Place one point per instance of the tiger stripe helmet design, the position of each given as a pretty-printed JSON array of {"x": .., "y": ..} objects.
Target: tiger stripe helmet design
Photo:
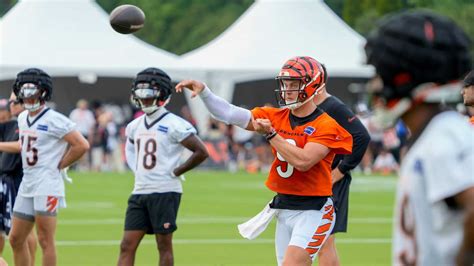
[{"x": 310, "y": 73}]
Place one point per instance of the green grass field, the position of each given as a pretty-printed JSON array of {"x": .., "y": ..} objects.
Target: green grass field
[{"x": 213, "y": 203}]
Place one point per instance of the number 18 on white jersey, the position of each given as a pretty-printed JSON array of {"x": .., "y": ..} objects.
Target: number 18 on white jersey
[{"x": 157, "y": 152}]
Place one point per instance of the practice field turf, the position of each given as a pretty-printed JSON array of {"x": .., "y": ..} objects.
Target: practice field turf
[{"x": 213, "y": 203}]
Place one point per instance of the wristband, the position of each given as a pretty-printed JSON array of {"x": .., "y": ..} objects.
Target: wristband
[{"x": 270, "y": 135}]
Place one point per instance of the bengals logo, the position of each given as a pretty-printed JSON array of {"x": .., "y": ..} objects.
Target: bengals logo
[
  {"x": 52, "y": 204},
  {"x": 284, "y": 74}
]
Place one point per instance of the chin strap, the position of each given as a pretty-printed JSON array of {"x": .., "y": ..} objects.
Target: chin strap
[
  {"x": 150, "y": 109},
  {"x": 296, "y": 105},
  {"x": 424, "y": 93},
  {"x": 434, "y": 93},
  {"x": 387, "y": 117},
  {"x": 153, "y": 107},
  {"x": 32, "y": 107}
]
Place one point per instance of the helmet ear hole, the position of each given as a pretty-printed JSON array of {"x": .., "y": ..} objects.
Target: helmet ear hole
[{"x": 303, "y": 96}]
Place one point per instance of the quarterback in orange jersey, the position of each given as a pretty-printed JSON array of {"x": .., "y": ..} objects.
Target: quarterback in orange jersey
[
  {"x": 468, "y": 94},
  {"x": 296, "y": 178},
  {"x": 304, "y": 140}
]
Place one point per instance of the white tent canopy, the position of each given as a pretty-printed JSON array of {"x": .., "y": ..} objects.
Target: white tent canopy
[
  {"x": 72, "y": 38},
  {"x": 272, "y": 31},
  {"x": 269, "y": 33}
]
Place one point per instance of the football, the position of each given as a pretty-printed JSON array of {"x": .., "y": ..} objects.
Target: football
[{"x": 127, "y": 19}]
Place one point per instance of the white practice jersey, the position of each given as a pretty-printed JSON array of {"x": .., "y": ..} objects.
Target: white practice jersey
[
  {"x": 157, "y": 151},
  {"x": 42, "y": 148},
  {"x": 439, "y": 165}
]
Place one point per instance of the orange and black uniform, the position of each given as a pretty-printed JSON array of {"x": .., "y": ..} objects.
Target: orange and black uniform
[
  {"x": 304, "y": 190},
  {"x": 345, "y": 163}
]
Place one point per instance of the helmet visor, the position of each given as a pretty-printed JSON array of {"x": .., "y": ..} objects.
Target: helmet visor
[
  {"x": 29, "y": 91},
  {"x": 146, "y": 91}
]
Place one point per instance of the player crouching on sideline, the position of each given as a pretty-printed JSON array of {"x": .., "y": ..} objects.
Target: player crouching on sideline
[
  {"x": 48, "y": 144},
  {"x": 419, "y": 71},
  {"x": 11, "y": 173},
  {"x": 304, "y": 140},
  {"x": 155, "y": 143}
]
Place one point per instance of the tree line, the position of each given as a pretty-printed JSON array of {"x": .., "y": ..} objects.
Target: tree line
[{"x": 180, "y": 26}]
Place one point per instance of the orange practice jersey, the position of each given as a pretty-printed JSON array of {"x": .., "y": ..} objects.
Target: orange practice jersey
[
  {"x": 283, "y": 177},
  {"x": 472, "y": 120}
]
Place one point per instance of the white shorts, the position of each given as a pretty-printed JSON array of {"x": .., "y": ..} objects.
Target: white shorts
[
  {"x": 28, "y": 207},
  {"x": 306, "y": 229}
]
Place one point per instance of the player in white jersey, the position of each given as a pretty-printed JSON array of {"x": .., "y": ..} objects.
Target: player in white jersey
[
  {"x": 468, "y": 95},
  {"x": 419, "y": 58},
  {"x": 155, "y": 143},
  {"x": 48, "y": 144}
]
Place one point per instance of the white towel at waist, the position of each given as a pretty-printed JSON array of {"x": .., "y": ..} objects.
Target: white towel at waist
[{"x": 255, "y": 226}]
